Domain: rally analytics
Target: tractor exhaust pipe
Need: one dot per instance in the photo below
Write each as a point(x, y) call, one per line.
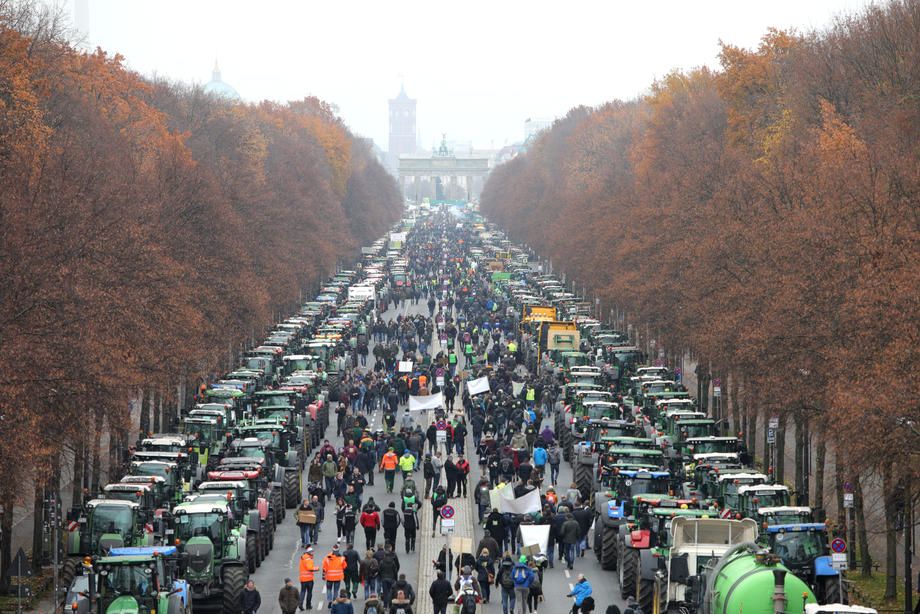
point(779, 591)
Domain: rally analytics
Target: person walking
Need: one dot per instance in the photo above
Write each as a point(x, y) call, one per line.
point(428, 473)
point(463, 472)
point(400, 604)
point(373, 605)
point(554, 458)
point(523, 577)
point(410, 527)
point(438, 500)
point(250, 599)
point(352, 570)
point(333, 573)
point(504, 579)
point(306, 522)
point(370, 575)
point(307, 569)
point(388, 465)
point(391, 523)
point(407, 464)
point(581, 591)
point(440, 592)
point(370, 521)
point(569, 535)
point(389, 571)
point(288, 597)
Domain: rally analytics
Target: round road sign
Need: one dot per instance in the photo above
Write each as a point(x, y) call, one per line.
point(447, 511)
point(838, 545)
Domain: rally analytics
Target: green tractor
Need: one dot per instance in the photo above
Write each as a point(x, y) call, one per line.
point(214, 553)
point(259, 541)
point(285, 450)
point(105, 524)
point(136, 581)
point(261, 496)
point(263, 444)
point(613, 506)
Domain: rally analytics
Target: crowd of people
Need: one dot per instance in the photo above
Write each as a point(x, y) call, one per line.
point(470, 331)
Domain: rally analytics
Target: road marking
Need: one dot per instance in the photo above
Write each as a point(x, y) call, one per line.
point(571, 586)
point(320, 606)
point(567, 575)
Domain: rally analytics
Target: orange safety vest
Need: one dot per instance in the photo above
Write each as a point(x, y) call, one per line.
point(389, 461)
point(307, 567)
point(334, 567)
point(422, 381)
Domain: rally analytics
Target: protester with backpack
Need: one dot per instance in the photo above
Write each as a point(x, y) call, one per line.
point(523, 577)
point(410, 527)
point(505, 580)
point(389, 570)
point(370, 575)
point(554, 458)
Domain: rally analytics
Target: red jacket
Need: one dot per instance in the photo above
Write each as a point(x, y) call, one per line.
point(370, 520)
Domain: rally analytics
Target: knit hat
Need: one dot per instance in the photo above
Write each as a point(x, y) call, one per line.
point(523, 559)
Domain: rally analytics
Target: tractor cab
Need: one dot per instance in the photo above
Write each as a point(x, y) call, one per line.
point(144, 579)
point(173, 483)
point(157, 486)
point(106, 524)
point(729, 485)
point(143, 494)
point(768, 516)
point(214, 410)
point(625, 485)
point(804, 549)
point(207, 437)
point(711, 445)
point(755, 496)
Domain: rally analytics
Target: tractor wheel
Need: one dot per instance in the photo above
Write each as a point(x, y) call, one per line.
point(583, 478)
point(830, 588)
point(252, 552)
point(68, 571)
point(332, 381)
point(629, 572)
point(234, 579)
point(647, 595)
point(278, 505)
point(271, 535)
point(265, 531)
point(291, 489)
point(608, 553)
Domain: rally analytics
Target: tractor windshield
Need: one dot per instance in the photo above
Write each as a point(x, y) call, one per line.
point(201, 525)
point(695, 430)
point(154, 469)
point(132, 580)
point(112, 519)
point(723, 446)
point(644, 486)
point(250, 452)
point(799, 547)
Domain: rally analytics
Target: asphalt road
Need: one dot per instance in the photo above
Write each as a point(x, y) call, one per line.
point(283, 561)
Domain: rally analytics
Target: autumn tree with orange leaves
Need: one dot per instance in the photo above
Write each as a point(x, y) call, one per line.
point(147, 232)
point(763, 217)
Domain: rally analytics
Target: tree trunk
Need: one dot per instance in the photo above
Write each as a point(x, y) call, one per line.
point(750, 410)
point(6, 539)
point(891, 534)
point(37, 525)
point(780, 469)
point(97, 449)
point(156, 406)
point(861, 532)
point(799, 457)
point(79, 464)
point(144, 418)
point(733, 399)
point(820, 457)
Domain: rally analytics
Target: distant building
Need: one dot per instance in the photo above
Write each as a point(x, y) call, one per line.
point(533, 127)
point(218, 88)
point(403, 138)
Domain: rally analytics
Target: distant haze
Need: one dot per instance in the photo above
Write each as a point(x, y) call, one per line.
point(477, 68)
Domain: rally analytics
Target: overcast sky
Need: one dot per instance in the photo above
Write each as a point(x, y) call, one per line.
point(478, 68)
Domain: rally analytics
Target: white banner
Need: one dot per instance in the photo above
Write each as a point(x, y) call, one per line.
point(431, 401)
point(535, 534)
point(397, 237)
point(503, 499)
point(361, 293)
point(517, 387)
point(478, 386)
point(405, 366)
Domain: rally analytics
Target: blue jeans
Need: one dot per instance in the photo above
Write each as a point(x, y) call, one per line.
point(570, 554)
point(553, 473)
point(386, 587)
point(304, 534)
point(508, 600)
point(332, 590)
point(371, 585)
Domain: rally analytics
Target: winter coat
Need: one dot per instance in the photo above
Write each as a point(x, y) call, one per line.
point(580, 591)
point(288, 599)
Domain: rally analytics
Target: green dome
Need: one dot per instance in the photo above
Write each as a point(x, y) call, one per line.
point(218, 88)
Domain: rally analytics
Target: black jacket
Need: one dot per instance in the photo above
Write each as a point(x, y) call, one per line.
point(250, 601)
point(440, 592)
point(391, 519)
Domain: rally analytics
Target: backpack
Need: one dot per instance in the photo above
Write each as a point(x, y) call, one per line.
point(507, 580)
point(520, 574)
point(373, 568)
point(372, 609)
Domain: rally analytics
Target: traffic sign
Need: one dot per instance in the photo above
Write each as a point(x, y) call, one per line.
point(774, 422)
point(848, 487)
point(847, 499)
point(771, 436)
point(839, 561)
point(716, 391)
point(447, 511)
point(838, 545)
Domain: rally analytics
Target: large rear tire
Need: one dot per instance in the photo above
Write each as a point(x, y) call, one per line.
point(830, 588)
point(608, 553)
point(234, 579)
point(68, 571)
point(629, 572)
point(646, 594)
point(252, 551)
point(291, 489)
point(583, 478)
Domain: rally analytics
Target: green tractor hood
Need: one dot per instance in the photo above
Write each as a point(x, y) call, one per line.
point(125, 604)
point(201, 558)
